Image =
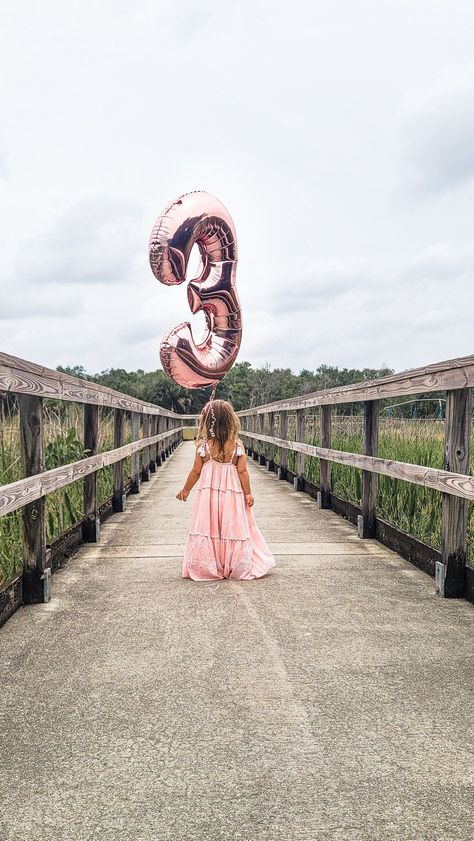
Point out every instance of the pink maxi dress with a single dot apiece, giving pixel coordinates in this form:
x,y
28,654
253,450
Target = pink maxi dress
x,y
224,540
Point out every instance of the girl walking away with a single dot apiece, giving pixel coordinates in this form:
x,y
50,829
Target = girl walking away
x,y
224,540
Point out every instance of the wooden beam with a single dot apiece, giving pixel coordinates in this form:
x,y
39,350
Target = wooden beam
x,y
261,450
119,498
299,461
366,522
152,450
135,459
442,376
271,447
282,467
36,575
146,450
451,575
324,464
17,494
91,521
456,484
18,376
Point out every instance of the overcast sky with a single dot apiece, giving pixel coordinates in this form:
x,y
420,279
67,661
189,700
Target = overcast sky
x,y
338,134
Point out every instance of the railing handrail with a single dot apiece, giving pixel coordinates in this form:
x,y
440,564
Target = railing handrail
x,y
24,491
19,376
441,376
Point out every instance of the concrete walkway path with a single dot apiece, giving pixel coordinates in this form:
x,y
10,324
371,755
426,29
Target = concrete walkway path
x,y
330,701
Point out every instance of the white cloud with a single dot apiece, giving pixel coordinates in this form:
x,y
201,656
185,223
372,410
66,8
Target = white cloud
x,y
296,121
439,133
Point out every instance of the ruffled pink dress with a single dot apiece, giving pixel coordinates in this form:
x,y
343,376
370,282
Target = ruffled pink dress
x,y
224,540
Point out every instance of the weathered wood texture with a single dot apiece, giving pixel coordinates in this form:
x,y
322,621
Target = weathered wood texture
x,y
454,509
146,450
283,451
369,479
456,484
17,494
19,376
261,450
118,501
90,524
300,433
34,525
442,376
324,464
271,447
135,458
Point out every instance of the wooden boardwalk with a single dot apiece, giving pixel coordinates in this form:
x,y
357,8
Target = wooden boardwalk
x,y
330,701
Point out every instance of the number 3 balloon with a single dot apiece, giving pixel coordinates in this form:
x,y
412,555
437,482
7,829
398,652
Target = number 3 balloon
x,y
199,218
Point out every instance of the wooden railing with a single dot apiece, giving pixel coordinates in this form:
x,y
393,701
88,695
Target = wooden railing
x,y
455,377
162,430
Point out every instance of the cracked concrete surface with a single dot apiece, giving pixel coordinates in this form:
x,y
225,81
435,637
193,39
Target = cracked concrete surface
x,y
332,700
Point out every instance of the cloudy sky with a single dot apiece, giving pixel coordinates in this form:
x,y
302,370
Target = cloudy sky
x,y
338,134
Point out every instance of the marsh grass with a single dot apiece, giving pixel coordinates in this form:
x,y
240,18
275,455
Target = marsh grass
x,y
63,436
412,508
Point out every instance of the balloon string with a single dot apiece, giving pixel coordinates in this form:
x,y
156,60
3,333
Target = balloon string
x,y
213,395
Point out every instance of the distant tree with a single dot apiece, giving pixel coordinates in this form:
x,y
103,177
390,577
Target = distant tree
x,y
75,371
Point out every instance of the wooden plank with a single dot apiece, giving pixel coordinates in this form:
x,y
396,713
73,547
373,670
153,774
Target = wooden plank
x,y
282,467
152,449
135,472
261,450
91,522
35,576
300,458
271,447
324,464
118,496
366,522
442,376
17,494
454,509
19,376
146,451
456,484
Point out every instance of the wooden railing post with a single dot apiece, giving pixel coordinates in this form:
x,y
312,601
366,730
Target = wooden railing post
x,y
152,448
255,443
283,452
156,447
91,521
146,450
366,520
36,570
119,498
261,444
271,447
163,443
135,469
451,570
248,428
298,481
324,495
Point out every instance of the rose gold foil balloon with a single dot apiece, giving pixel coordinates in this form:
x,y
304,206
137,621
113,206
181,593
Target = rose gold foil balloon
x,y
199,218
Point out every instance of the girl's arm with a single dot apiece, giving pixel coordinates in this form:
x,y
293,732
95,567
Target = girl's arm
x,y
193,476
244,478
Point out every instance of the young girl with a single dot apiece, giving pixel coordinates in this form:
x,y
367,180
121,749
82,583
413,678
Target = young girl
x,y
224,540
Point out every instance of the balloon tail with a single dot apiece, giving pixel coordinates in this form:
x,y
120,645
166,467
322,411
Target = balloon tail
x,y
212,398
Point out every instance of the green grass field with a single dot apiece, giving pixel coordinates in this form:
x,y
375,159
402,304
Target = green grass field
x,y
414,509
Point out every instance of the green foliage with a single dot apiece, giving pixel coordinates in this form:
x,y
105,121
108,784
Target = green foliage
x,y
63,507
243,385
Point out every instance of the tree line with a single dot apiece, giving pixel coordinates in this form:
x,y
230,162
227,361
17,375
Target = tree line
x,y
245,386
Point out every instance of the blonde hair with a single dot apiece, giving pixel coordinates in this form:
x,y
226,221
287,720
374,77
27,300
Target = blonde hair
x,y
226,426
